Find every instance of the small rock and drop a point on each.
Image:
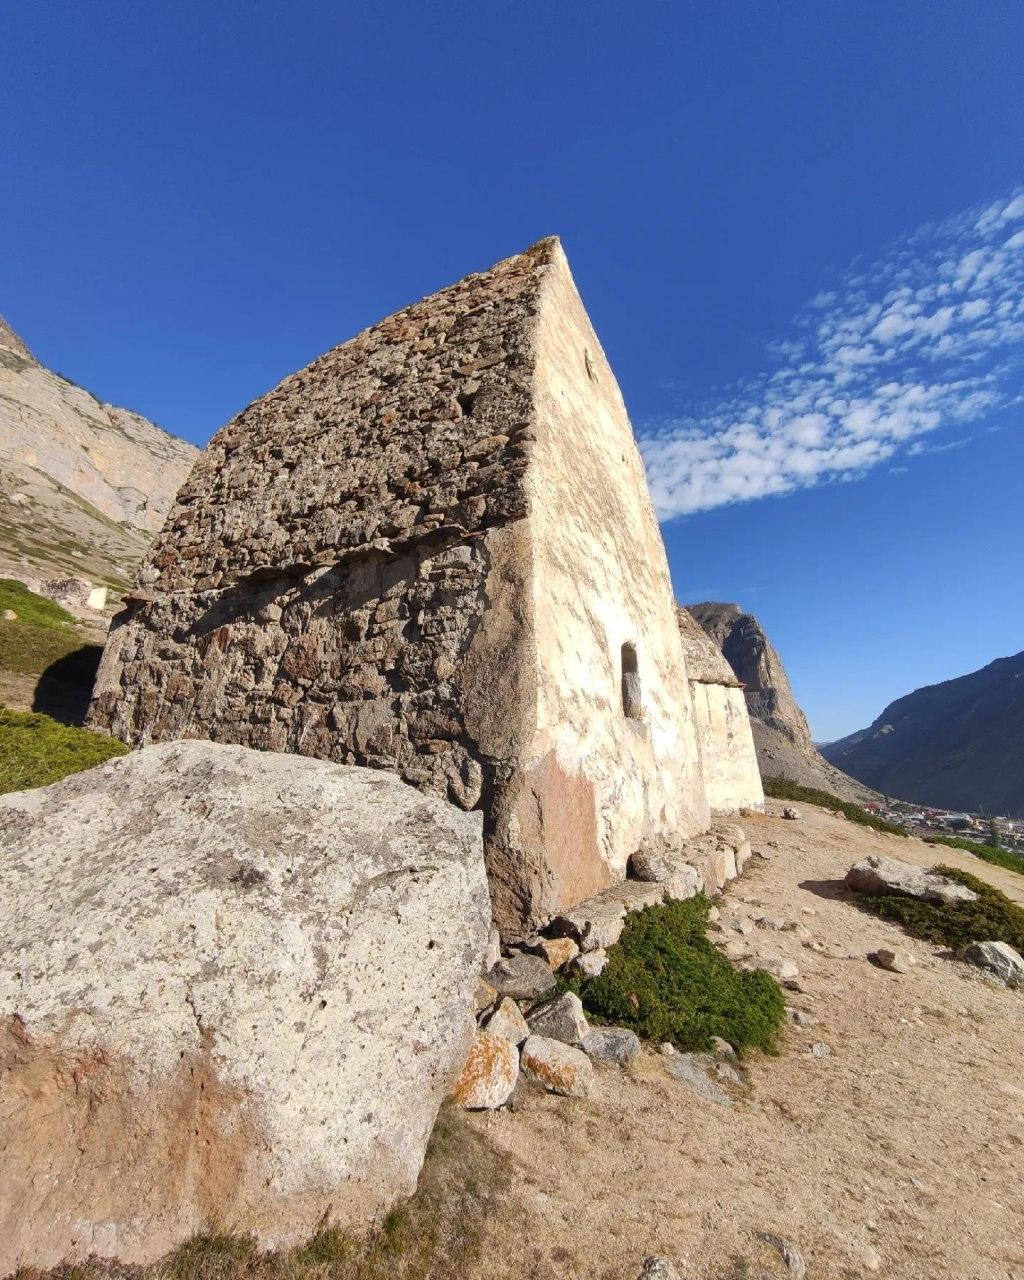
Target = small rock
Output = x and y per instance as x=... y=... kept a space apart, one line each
x=788 y=1251
x=9 y=615
x=713 y=914
x=589 y=964
x=871 y=1258
x=666 y=1050
x=770 y=922
x=763 y=854
x=668 y=867
x=998 y=959
x=819 y=1049
x=894 y=961
x=522 y=976
x=781 y=966
x=611 y=1044
x=736 y=950
x=723 y=1049
x=658 y=1269
x=801 y=1019
x=729 y=1075
x=555 y=951
x=560 y=1019
x=489 y=1074
x=744 y=926
x=692 y=1069
x=493 y=953
x=795 y=984
x=507 y=1020
x=484 y=996
x=559 y=1067
x=792 y=814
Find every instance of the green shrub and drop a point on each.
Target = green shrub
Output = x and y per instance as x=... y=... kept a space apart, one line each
x=786 y=789
x=666 y=981
x=987 y=852
x=992 y=918
x=36 y=750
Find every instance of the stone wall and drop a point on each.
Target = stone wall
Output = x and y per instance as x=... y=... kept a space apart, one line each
x=345 y=573
x=424 y=553
x=600 y=582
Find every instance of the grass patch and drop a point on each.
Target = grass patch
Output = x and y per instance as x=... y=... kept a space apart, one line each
x=31 y=608
x=987 y=852
x=992 y=918
x=785 y=789
x=43 y=633
x=437 y=1235
x=665 y=981
x=36 y=750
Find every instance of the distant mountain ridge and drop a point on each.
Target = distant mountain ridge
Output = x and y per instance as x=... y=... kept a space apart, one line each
x=781 y=734
x=958 y=744
x=83 y=484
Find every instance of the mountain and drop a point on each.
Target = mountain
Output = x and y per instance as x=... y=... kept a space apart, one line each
x=83 y=485
x=955 y=745
x=781 y=734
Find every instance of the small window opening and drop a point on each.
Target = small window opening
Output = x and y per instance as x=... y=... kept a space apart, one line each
x=632 y=702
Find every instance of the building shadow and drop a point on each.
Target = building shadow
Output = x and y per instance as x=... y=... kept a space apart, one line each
x=65 y=687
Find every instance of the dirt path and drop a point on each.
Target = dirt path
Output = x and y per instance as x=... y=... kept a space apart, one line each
x=901 y=1153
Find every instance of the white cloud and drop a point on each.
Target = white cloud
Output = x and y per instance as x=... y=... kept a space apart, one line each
x=929 y=337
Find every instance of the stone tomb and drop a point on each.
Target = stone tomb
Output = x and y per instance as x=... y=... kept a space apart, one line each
x=732 y=779
x=433 y=551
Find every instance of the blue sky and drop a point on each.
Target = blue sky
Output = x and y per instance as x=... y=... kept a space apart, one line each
x=770 y=209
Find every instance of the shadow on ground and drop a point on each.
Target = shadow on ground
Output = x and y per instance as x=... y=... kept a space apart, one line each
x=65 y=687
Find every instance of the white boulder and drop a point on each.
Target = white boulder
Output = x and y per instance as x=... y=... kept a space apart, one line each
x=881 y=875
x=233 y=984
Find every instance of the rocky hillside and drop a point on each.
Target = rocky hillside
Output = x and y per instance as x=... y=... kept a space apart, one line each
x=958 y=744
x=83 y=485
x=781 y=734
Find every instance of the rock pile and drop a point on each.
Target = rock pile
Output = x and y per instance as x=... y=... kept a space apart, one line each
x=518 y=1000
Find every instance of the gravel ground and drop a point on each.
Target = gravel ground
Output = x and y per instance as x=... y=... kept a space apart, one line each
x=899 y=1152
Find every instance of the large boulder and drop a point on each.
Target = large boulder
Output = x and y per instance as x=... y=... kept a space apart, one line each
x=998 y=959
x=879 y=874
x=234 y=988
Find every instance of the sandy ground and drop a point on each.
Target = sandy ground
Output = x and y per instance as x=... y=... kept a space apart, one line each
x=901 y=1153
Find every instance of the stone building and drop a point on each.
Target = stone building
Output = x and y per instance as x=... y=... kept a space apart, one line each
x=732 y=779
x=433 y=551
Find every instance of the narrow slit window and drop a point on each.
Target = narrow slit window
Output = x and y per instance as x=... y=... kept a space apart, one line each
x=632 y=701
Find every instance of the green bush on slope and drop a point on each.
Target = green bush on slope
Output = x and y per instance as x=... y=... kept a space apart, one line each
x=786 y=789
x=987 y=852
x=992 y=918
x=665 y=981
x=36 y=750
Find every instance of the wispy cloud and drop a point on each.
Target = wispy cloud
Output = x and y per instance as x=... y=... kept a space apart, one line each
x=929 y=336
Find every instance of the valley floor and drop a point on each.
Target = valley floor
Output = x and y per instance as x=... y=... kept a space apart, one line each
x=900 y=1153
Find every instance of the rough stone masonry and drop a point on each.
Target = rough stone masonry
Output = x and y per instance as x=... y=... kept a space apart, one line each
x=433 y=551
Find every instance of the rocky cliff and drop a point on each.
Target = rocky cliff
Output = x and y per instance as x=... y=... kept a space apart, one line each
x=83 y=485
x=781 y=735
x=956 y=745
